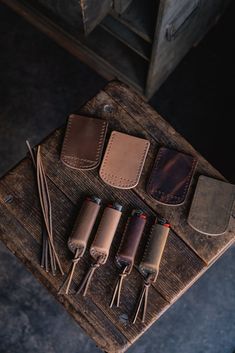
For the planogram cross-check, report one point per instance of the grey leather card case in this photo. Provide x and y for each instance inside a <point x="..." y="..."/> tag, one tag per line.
<point x="212" y="206"/>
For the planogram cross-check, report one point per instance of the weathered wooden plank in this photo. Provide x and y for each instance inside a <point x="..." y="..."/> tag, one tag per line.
<point x="180" y="267"/>
<point x="177" y="256"/>
<point x="170" y="283"/>
<point x="24" y="207"/>
<point x="147" y="123"/>
<point x="85" y="312"/>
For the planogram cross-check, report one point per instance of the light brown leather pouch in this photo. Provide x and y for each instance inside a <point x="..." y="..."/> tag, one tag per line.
<point x="83" y="142"/>
<point x="212" y="206"/>
<point x="123" y="160"/>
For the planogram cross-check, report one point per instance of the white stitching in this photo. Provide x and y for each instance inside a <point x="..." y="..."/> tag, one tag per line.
<point x="113" y="179"/>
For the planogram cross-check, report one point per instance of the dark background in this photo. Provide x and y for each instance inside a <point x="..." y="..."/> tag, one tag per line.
<point x="40" y="84"/>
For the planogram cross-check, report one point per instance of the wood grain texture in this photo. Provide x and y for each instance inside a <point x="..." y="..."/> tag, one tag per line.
<point x="20" y="229"/>
<point x="150" y="124"/>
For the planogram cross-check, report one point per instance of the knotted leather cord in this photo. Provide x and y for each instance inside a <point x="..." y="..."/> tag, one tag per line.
<point x="46" y="205"/>
<point x="68" y="279"/>
<point x="87" y="279"/>
<point x="144" y="297"/>
<point x="118" y="287"/>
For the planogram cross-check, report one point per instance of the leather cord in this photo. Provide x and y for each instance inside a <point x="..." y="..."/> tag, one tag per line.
<point x="48" y="248"/>
<point x="143" y="298"/>
<point x="69" y="277"/>
<point x="45" y="202"/>
<point x="117" y="290"/>
<point x="87" y="279"/>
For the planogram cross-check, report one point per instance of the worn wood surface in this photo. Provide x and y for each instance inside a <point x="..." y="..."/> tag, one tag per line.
<point x="186" y="256"/>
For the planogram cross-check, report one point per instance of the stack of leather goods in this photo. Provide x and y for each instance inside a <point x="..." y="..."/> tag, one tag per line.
<point x="121" y="166"/>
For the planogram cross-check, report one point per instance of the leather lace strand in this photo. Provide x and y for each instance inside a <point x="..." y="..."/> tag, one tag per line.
<point x="143" y="300"/>
<point x="48" y="248"/>
<point x="117" y="291"/>
<point x="87" y="279"/>
<point x="68" y="279"/>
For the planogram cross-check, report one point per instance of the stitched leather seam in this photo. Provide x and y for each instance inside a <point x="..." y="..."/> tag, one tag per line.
<point x="80" y="161"/>
<point x="170" y="196"/>
<point x="141" y="267"/>
<point x="95" y="254"/>
<point x="121" y="181"/>
<point x="128" y="262"/>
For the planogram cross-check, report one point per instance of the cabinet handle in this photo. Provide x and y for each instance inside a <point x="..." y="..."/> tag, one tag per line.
<point x="179" y="24"/>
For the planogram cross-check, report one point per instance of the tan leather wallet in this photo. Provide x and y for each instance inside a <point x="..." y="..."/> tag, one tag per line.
<point x="123" y="160"/>
<point x="83" y="142"/>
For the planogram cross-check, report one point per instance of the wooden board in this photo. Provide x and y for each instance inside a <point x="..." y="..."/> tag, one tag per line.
<point x="186" y="256"/>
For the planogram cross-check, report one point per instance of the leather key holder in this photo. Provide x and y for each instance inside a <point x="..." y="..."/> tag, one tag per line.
<point x="123" y="160"/>
<point x="212" y="206"/>
<point x="127" y="251"/>
<point x="149" y="266"/>
<point x="83" y="142"/>
<point x="81" y="232"/>
<point x="101" y="244"/>
<point x="171" y="176"/>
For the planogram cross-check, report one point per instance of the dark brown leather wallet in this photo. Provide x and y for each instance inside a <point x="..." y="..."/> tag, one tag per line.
<point x="83" y="142"/>
<point x="171" y="176"/>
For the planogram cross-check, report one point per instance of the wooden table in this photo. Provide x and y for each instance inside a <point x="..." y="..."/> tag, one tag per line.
<point x="187" y="255"/>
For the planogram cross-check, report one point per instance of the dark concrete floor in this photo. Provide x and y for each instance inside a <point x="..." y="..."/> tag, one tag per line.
<point x="40" y="84"/>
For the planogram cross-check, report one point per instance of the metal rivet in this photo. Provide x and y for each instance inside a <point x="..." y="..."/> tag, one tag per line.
<point x="108" y="108"/>
<point x="8" y="199"/>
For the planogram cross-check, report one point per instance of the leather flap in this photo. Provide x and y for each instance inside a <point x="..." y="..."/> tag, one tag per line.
<point x="212" y="206"/>
<point x="83" y="142"/>
<point x="123" y="160"/>
<point x="171" y="176"/>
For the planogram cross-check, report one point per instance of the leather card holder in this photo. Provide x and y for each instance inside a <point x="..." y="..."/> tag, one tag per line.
<point x="83" y="142"/>
<point x="212" y="206"/>
<point x="171" y="176"/>
<point x="123" y="160"/>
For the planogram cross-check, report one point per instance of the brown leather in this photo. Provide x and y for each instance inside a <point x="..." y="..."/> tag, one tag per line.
<point x="212" y="206"/>
<point x="154" y="250"/>
<point x="45" y="202"/>
<point x="123" y="160"/>
<point x="83" y="142"/>
<point x="171" y="176"/>
<point x="83" y="226"/>
<point x="106" y="230"/>
<point x="130" y="242"/>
